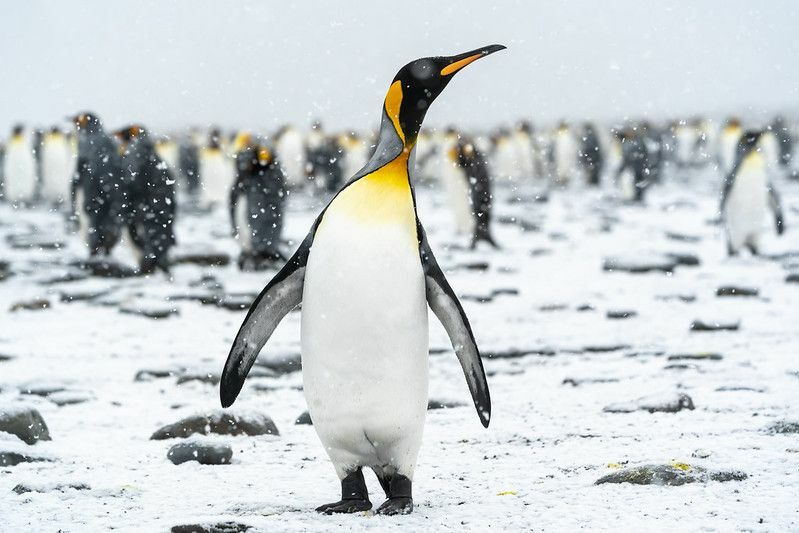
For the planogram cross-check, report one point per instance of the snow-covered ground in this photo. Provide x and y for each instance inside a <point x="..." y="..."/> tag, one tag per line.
<point x="534" y="468"/>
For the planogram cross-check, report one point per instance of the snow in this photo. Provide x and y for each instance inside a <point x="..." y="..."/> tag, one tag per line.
<point x="534" y="468"/>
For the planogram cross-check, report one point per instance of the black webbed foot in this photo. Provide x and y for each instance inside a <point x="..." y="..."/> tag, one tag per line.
<point x="345" y="506"/>
<point x="399" y="494"/>
<point x="354" y="496"/>
<point x="396" y="506"/>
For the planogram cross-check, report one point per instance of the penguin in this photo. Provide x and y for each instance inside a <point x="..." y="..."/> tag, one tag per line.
<point x="189" y="165"/>
<point x="168" y="151"/>
<point x="634" y="173"/>
<point x="57" y="167"/>
<point x="456" y="184"/>
<point x="728" y="145"/>
<point x="150" y="214"/>
<point x="747" y="195"/>
<point x="474" y="167"/>
<point x="653" y="142"/>
<point x="506" y="157"/>
<point x="355" y="152"/>
<point x="365" y="275"/>
<point x="98" y="196"/>
<point x="783" y="134"/>
<point x="325" y="163"/>
<point x="564" y="154"/>
<point x="591" y="154"/>
<point x="523" y="141"/>
<point x="291" y="149"/>
<point x="686" y="138"/>
<point x="19" y="168"/>
<point x="258" y="225"/>
<point x="216" y="171"/>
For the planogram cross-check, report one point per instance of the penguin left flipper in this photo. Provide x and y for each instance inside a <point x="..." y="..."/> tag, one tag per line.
<point x="776" y="207"/>
<point x="444" y="303"/>
<point x="278" y="298"/>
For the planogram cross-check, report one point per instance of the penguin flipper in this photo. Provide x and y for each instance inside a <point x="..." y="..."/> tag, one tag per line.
<point x="282" y="294"/>
<point x="444" y="303"/>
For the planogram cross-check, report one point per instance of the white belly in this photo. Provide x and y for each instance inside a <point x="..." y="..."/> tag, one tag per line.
<point x="56" y="171"/>
<point x="747" y="205"/>
<point x="365" y="343"/>
<point x="216" y="174"/>
<point x="20" y="176"/>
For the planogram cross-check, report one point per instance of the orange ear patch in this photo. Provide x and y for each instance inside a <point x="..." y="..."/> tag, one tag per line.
<point x="393" y="104"/>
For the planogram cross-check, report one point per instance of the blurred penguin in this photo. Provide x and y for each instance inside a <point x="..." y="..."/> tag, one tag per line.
<point x="728" y="145"/>
<point x="355" y="152"/>
<point x="783" y="134"/>
<point x="258" y="223"/>
<point x="506" y="153"/>
<point x="686" y="138"/>
<point x="591" y="154"/>
<point x="189" y="164"/>
<point x="474" y="167"/>
<point x="19" y="168"/>
<point x="565" y="151"/>
<point x="325" y="164"/>
<point x="523" y="141"/>
<point x="98" y="195"/>
<point x="216" y="171"/>
<point x="748" y="195"/>
<point x="456" y="184"/>
<point x="634" y="174"/>
<point x="57" y="167"/>
<point x="291" y="150"/>
<point x="168" y="151"/>
<point x="151" y="200"/>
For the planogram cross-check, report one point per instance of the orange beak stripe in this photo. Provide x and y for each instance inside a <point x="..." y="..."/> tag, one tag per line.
<point x="457" y="65"/>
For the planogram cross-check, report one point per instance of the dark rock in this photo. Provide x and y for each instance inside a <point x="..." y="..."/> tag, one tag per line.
<point x="285" y="363"/>
<point x="480" y="266"/>
<point x="707" y="356"/>
<point x="201" y="259"/>
<point x="222" y="527"/>
<point x="69" y="397"/>
<point x="740" y="388"/>
<point x="24" y="488"/>
<point x="34" y="240"/>
<point x="516" y="353"/>
<point x="67" y="276"/>
<point x="82" y="295"/>
<point x="505" y="291"/>
<point x="604" y="348"/>
<point x="684" y="258"/>
<point x="707" y="325"/>
<point x="682" y="237"/>
<point x="149" y="374"/>
<point x="540" y="252"/>
<point x="576" y="382"/>
<point x="783" y="427"/>
<point x="42" y="389"/>
<point x="36" y="304"/>
<point x="585" y="307"/>
<point x="660" y="403"/>
<point x="731" y="290"/>
<point x="685" y="298"/>
<point x="154" y="311"/>
<point x="106" y="268"/>
<point x="549" y="308"/>
<point x="792" y="277"/>
<point x="9" y="458"/>
<point x="202" y="377"/>
<point x="619" y="314"/>
<point x="5" y="357"/>
<point x="203" y="453"/>
<point x="671" y="475"/>
<point x="5" y="270"/>
<point x="684" y="366"/>
<point x="636" y="264"/>
<point x="433" y="405"/>
<point x="236" y="302"/>
<point x="24" y="422"/>
<point x="304" y="419"/>
<point x="476" y="298"/>
<point x="220" y="423"/>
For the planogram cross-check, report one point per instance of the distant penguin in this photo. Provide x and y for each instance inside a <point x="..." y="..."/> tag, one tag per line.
<point x="291" y="151"/>
<point x="591" y="154"/>
<point x="783" y="134"/>
<point x="189" y="165"/>
<point x="686" y="138"/>
<point x="98" y="193"/>
<point x="19" y="168"/>
<point x="456" y="185"/>
<point x="169" y="152"/>
<point x="216" y="171"/>
<point x="652" y="138"/>
<point x="728" y="145"/>
<point x="565" y="152"/>
<point x="355" y="153"/>
<point x="523" y="142"/>
<point x="57" y="167"/>
<point x="325" y="164"/>
<point x="151" y="200"/>
<point x="506" y="154"/>
<point x="258" y="223"/>
<point x="748" y="195"/>
<point x="476" y="174"/>
<point x="634" y="173"/>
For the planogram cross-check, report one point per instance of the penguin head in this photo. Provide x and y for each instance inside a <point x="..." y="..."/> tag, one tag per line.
<point x="87" y="121"/>
<point x="749" y="142"/>
<point x="418" y="83"/>
<point x="17" y="130"/>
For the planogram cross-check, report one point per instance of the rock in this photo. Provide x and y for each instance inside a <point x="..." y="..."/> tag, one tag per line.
<point x="516" y="353"/>
<point x="433" y="405"/>
<point x="63" y="398"/>
<point x="792" y="277"/>
<point x="202" y="296"/>
<point x="153" y="310"/>
<point x="24" y="422"/>
<point x="505" y="291"/>
<point x="783" y="427"/>
<point x="106" y="268"/>
<point x="619" y="314"/>
<point x="639" y="264"/>
<point x="203" y="453"/>
<point x="712" y="325"/>
<point x="200" y="258"/>
<point x="585" y="307"/>
<point x="684" y="366"/>
<point x="656" y="403"/>
<point x="222" y="527"/>
<point x="576" y="382"/>
<point x="552" y="307"/>
<point x="66" y="276"/>
<point x="731" y="290"/>
<point x="540" y="252"/>
<point x="684" y="258"/>
<point x="682" y="237"/>
<point x="149" y="374"/>
<point x="304" y="419"/>
<point x="740" y="388"/>
<point x="670" y="475"/>
<point x="5" y="357"/>
<point x="220" y="423"/>
<point x="42" y="388"/>
<point x="36" y="304"/>
<point x="9" y="458"/>
<point x="202" y="377"/>
<point x="82" y="295"/>
<point x="284" y="363"/>
<point x="476" y="298"/>
<point x="34" y="240"/>
<point x="702" y="356"/>
<point x="604" y="348"/>
<point x="5" y="270"/>
<point x="24" y="488"/>
<point x="685" y="298"/>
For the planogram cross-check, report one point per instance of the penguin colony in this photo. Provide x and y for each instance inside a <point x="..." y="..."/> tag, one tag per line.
<point x="129" y="185"/>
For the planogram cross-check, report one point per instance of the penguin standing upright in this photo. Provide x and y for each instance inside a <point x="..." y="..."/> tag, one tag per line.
<point x="291" y="149"/>
<point x="591" y="154"/>
<point x="98" y="194"/>
<point x="728" y="145"/>
<point x="475" y="173"/>
<point x="19" y="168"/>
<point x="634" y="172"/>
<point x="747" y="195"/>
<point x="783" y="134"/>
<point x="151" y="200"/>
<point x="455" y="184"/>
<point x="365" y="275"/>
<point x="57" y="167"/>
<point x="523" y="141"/>
<point x="259" y="223"/>
<point x="565" y="151"/>
<point x="216" y="171"/>
<point x="189" y="165"/>
<point x="506" y="153"/>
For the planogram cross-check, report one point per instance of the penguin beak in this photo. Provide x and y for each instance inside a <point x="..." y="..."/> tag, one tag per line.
<point x="456" y="63"/>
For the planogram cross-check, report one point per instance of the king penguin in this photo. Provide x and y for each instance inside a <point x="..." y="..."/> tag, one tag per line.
<point x="747" y="196"/>
<point x="19" y="168"/>
<point x="365" y="275"/>
<point x="57" y="167"/>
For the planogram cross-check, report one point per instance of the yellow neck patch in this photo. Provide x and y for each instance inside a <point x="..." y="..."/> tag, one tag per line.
<point x="393" y="103"/>
<point x="382" y="197"/>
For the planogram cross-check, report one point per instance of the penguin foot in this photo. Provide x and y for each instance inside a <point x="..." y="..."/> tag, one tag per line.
<point x="345" y="506"/>
<point x="396" y="506"/>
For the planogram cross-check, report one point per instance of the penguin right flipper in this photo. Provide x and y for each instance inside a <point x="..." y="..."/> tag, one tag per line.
<point x="776" y="208"/>
<point x="444" y="303"/>
<point x="282" y="294"/>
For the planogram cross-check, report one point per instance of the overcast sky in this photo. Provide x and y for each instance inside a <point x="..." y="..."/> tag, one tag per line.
<point x="259" y="64"/>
